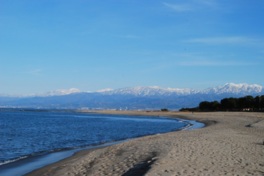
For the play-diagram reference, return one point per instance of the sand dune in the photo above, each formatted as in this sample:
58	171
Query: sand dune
230	144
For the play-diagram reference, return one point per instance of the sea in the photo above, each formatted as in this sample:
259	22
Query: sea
33	139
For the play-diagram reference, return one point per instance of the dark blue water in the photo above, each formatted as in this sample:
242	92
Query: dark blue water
29	134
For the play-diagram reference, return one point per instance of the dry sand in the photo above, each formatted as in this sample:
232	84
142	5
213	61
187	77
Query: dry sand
230	144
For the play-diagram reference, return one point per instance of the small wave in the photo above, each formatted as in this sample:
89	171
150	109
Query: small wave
189	126
13	160
40	153
192	124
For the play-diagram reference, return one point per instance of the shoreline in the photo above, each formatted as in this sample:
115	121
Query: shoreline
230	144
29	164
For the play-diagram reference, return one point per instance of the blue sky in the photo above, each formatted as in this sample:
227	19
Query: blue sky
87	44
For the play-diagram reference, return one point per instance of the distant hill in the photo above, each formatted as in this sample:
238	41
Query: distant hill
131	98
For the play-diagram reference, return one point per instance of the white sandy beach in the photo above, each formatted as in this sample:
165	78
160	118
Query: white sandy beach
230	144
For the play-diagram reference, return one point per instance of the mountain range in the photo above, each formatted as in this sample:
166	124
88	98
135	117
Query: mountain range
153	97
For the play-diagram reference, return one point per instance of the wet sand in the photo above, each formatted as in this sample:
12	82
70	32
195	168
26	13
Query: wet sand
230	144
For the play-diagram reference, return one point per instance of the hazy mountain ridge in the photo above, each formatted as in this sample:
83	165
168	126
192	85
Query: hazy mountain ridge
133	98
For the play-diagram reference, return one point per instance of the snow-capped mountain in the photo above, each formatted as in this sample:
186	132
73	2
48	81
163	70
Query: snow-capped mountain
149	91
235	89
60	92
230	88
132	98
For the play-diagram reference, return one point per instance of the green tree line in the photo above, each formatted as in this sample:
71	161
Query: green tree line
247	103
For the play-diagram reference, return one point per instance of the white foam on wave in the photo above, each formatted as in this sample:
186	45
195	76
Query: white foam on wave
13	160
191	124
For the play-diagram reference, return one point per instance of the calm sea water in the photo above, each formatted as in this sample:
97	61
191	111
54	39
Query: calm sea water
26	134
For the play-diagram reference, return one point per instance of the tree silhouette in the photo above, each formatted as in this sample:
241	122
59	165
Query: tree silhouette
247	103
